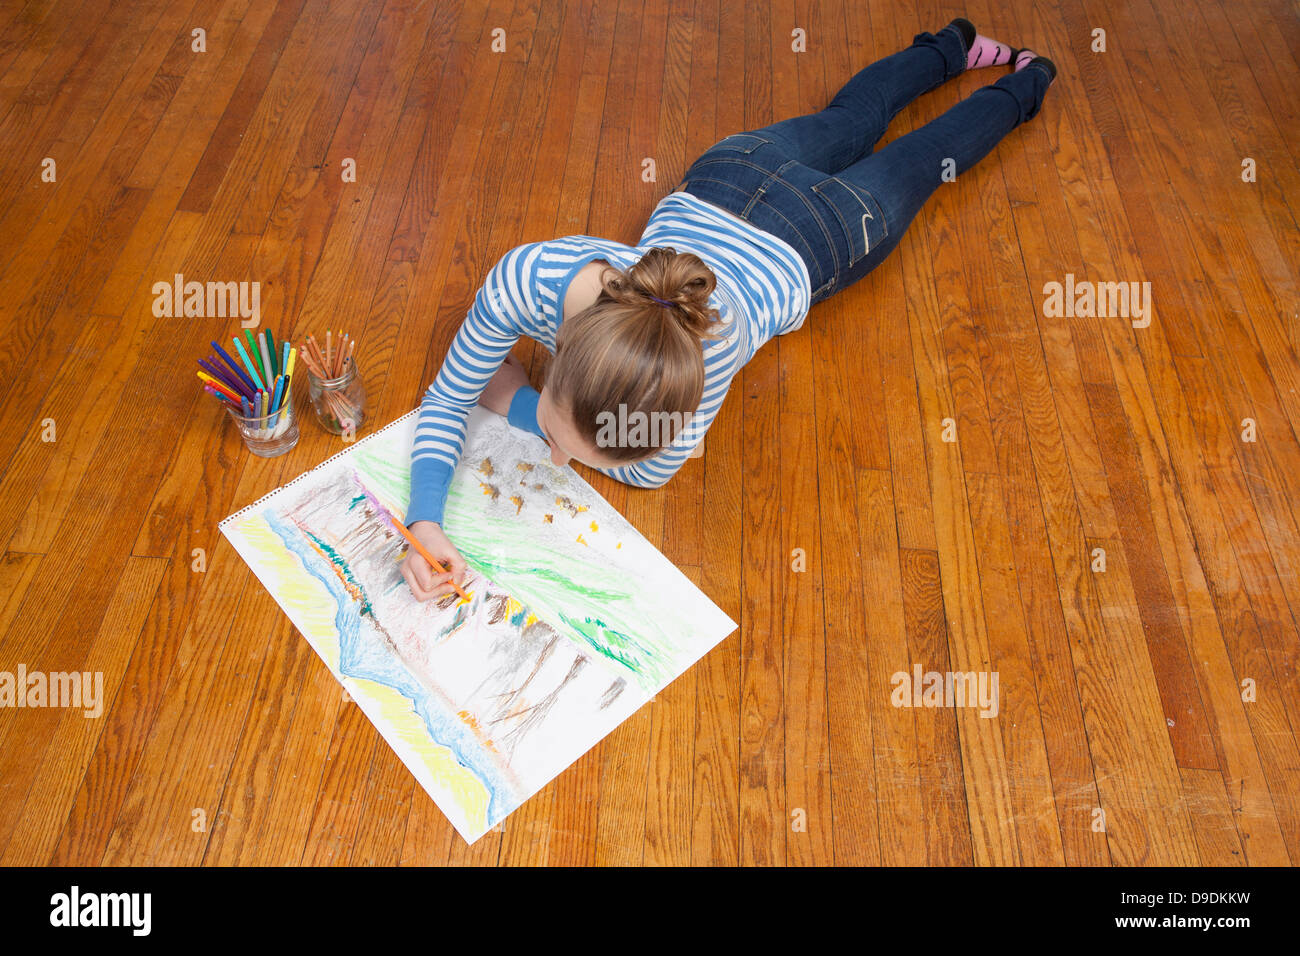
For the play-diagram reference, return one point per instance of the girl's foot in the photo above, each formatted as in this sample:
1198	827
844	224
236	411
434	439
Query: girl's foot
1025	57
981	50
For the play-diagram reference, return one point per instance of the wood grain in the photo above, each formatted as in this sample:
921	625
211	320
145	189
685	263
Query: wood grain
932	473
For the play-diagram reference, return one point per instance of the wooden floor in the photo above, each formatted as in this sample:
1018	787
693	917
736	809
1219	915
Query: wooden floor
1148	713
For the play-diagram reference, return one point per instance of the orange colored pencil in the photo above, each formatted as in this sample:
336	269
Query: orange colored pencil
433	562
320	360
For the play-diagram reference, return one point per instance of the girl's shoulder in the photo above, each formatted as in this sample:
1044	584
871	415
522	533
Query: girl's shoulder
558	261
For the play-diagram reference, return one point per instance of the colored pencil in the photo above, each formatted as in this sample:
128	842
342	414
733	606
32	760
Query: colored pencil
336	400
273	352
218	370
221	398
318	354
224	401
391	520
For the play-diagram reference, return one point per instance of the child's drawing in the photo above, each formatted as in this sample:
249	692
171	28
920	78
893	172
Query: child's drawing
573	620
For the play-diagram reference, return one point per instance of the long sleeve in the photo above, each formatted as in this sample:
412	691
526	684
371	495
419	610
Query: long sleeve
504	308
523	411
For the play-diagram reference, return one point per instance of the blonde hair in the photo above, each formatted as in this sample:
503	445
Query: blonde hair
627	349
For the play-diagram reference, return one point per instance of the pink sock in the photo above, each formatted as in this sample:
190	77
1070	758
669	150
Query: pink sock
987	52
1023	59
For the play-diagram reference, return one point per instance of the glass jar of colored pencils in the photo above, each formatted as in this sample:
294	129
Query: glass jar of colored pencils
268	433
340	400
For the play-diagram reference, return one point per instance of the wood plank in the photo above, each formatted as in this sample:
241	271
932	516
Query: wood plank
1183	710
79	731
897	755
763	804
668	796
945	817
983	758
253	85
1216	834
1141	738
1035	816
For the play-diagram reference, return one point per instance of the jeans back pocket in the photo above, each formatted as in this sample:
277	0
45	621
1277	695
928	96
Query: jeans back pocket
859	215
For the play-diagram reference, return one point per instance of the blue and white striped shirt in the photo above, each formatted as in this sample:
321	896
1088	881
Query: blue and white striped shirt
763	289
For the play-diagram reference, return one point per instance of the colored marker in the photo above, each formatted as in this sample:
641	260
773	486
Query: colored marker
213	391
217	384
224	376
252	367
235	365
266	361
257	355
275	401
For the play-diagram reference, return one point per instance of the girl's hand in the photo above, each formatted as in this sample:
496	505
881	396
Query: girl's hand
424	581
509	378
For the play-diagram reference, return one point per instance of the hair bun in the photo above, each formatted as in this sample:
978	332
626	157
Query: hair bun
678	278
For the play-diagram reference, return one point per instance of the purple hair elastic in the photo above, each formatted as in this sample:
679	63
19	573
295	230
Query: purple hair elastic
661	301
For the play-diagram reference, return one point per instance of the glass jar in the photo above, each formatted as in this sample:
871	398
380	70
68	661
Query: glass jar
339	402
272	434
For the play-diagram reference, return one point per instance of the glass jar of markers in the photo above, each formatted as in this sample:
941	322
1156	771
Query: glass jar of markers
268	434
339	402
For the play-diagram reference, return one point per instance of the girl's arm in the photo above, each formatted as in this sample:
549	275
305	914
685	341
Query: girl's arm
503	310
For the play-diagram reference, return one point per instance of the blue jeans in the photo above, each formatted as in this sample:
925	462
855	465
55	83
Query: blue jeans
814	182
